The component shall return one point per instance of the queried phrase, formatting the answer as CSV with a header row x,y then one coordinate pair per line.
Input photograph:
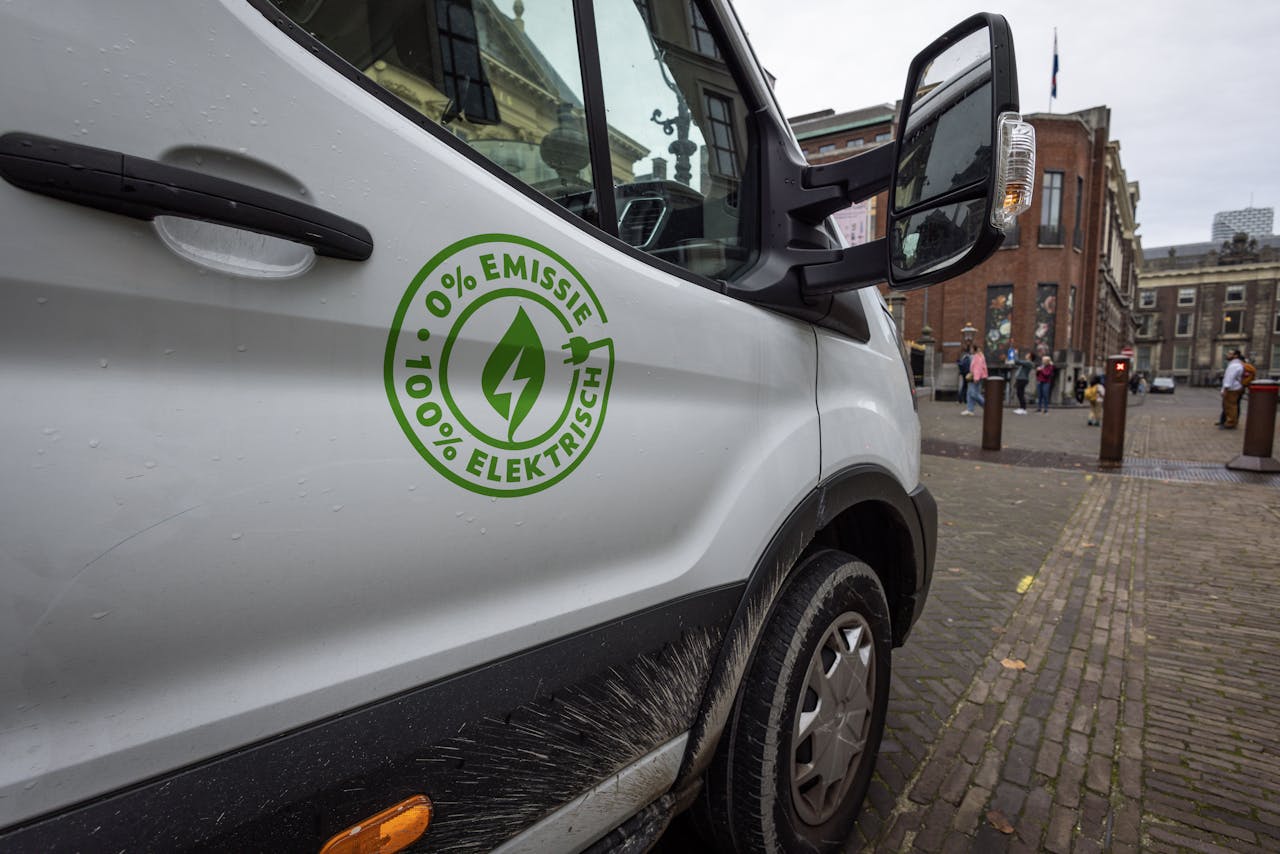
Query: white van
x,y
454,424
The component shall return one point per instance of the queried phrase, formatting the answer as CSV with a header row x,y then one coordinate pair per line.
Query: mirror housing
x,y
964,161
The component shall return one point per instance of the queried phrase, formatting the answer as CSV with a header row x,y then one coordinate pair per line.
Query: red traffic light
x,y
1121,366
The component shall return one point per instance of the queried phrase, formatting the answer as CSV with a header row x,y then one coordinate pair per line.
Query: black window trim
x,y
595,119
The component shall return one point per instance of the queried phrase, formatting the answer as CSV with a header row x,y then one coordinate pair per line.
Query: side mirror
x,y
964,162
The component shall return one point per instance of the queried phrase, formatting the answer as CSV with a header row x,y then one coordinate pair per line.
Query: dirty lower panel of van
x,y
495,749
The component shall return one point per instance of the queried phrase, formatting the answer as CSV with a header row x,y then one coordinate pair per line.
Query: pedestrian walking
x,y
1020,380
977,373
1232,388
962,368
1094,394
1044,381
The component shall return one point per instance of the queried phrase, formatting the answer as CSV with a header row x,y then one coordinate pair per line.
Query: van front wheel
x,y
797,763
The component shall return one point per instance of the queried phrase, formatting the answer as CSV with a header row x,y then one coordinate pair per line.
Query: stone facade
x,y
1200,300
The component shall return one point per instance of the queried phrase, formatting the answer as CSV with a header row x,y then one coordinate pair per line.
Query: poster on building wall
x,y
999,321
1046,318
855,222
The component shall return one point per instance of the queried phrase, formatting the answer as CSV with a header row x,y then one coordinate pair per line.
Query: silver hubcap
x,y
833,719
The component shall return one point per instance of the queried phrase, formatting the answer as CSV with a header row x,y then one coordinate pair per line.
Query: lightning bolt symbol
x,y
512,385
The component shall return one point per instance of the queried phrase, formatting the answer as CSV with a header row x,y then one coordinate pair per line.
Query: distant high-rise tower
x,y
1255,222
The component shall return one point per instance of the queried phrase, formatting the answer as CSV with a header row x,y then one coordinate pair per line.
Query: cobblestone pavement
x,y
1098,664
1097,667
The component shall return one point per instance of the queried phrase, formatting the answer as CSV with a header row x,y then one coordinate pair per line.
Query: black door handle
x,y
144,189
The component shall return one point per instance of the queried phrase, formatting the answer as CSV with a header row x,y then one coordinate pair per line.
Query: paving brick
x,y
1133,668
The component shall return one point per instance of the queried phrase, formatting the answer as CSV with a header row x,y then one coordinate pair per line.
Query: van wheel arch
x,y
850,511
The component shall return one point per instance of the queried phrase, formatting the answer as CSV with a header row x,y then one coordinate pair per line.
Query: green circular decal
x,y
498,365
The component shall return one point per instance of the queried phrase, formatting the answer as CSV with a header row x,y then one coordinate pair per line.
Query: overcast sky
x,y
1193,87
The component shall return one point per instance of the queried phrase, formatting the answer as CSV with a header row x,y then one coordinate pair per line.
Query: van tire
x,y
765,794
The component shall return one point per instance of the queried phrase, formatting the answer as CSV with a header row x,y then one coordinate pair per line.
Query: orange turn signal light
x,y
391,830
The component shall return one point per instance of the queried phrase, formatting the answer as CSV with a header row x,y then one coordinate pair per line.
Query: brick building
x,y
1198,301
1064,282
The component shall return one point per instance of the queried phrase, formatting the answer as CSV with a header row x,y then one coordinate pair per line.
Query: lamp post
x,y
967,334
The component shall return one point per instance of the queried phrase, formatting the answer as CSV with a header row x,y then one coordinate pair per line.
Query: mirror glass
x,y
947,132
946,146
934,237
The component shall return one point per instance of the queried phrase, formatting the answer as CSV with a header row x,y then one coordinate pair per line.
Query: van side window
x,y
678,137
508,83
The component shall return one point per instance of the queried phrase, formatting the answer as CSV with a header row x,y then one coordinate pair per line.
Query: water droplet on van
x,y
100,614
301,481
484,530
240,348
49,431
458,515
237,535
169,351
150,464
102,363
217,459
337,507
93,443
413,489
41,300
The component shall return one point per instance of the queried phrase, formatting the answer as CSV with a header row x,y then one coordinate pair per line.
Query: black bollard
x,y
993,413
1111,451
1259,429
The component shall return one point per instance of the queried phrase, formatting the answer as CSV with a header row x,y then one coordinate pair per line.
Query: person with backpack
x,y
1094,394
1232,388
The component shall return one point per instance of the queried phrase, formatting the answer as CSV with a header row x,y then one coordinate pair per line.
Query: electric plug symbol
x,y
580,348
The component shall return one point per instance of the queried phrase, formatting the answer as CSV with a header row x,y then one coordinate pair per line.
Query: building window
x,y
1186,296
1145,325
1077,236
1182,358
855,143
1275,359
1183,326
1146,299
1276,327
703,42
724,154
1233,321
1051,210
883,137
1235,293
827,148
1144,358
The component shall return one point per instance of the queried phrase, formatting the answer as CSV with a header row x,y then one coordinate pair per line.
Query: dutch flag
x,y
1053,88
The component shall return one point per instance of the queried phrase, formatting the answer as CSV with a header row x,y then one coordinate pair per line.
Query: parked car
x,y
401,450
1163,385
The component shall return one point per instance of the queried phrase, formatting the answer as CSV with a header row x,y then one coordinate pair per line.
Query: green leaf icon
x,y
512,378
